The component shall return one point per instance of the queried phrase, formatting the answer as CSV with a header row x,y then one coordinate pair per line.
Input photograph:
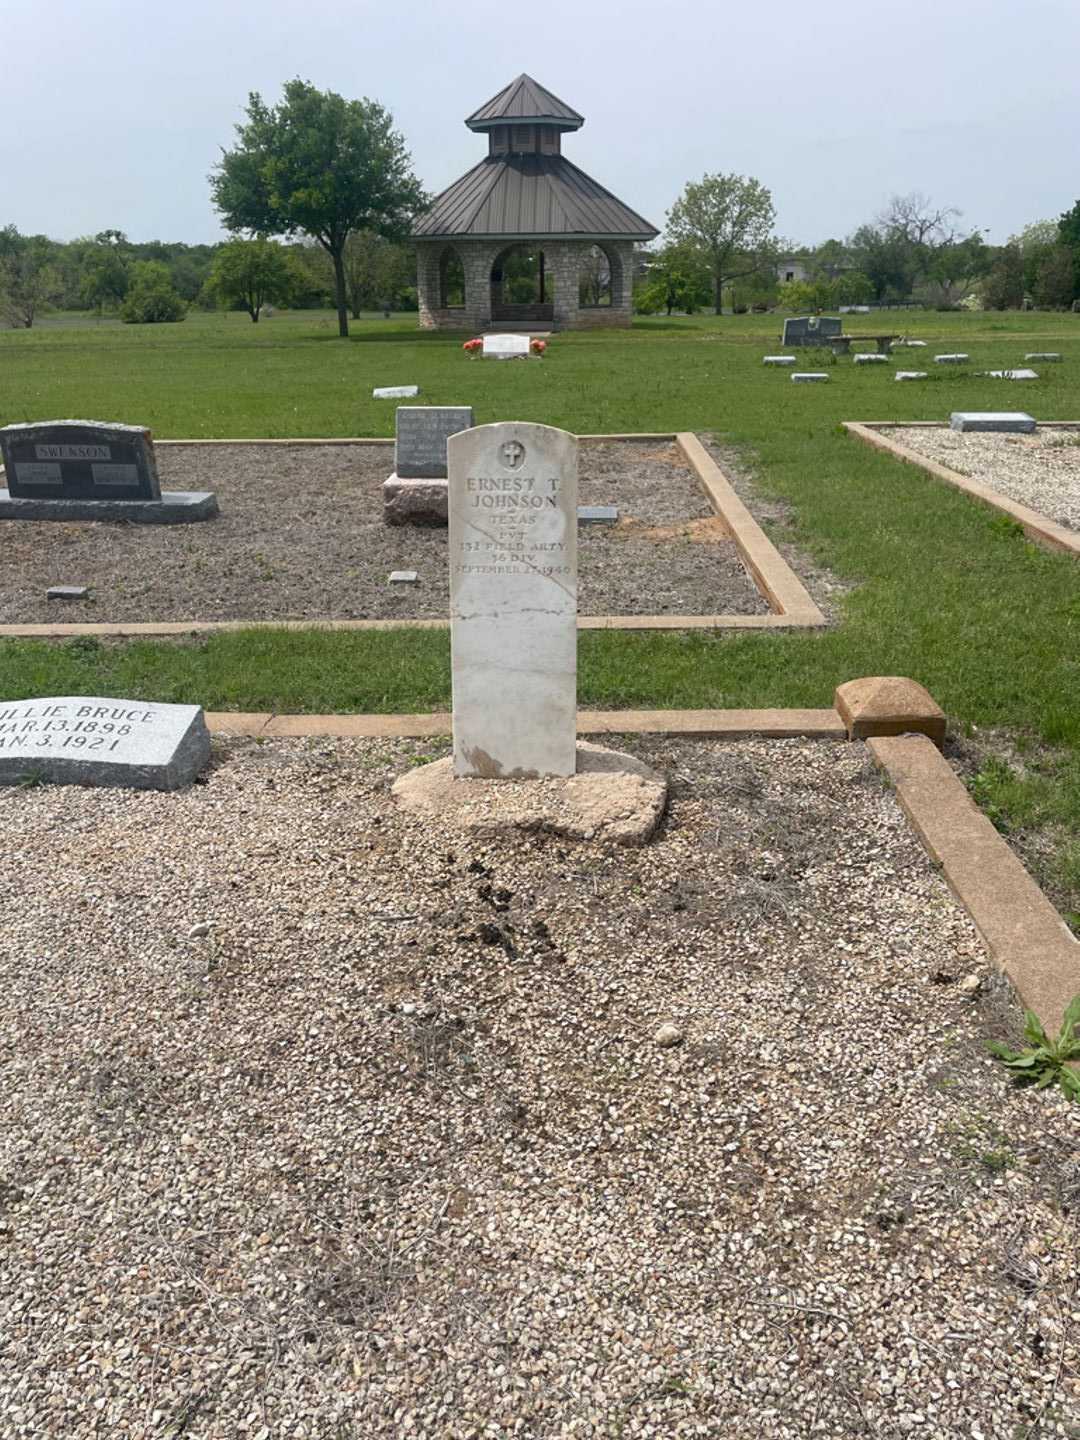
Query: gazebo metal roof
x,y
523,101
513,194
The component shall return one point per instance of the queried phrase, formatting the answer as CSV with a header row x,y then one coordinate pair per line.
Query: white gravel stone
x,y
401,1164
1041,470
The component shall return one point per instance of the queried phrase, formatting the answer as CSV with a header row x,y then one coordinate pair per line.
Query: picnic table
x,y
841,344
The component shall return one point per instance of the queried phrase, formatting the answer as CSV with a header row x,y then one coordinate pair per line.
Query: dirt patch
x,y
301,537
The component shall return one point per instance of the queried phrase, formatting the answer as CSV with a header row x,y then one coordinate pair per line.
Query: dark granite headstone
x,y
422,433
79,460
811,329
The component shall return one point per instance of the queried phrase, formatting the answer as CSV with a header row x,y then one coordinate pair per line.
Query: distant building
x,y
792,267
525,219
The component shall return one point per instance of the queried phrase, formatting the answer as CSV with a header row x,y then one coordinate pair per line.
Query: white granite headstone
x,y
513,600
957,359
89,740
781,360
809,376
506,347
1013,422
912,375
395,392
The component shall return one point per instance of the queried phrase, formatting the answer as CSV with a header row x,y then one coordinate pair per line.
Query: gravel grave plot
x,y
1041,471
320,1123
301,537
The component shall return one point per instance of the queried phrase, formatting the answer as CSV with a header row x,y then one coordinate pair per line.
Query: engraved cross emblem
x,y
512,454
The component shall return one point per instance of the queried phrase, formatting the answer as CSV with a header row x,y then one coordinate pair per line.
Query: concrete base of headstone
x,y
1008,422
176,507
90,740
415,502
612,797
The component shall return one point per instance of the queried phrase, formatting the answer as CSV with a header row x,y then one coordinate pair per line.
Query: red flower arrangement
x,y
538,345
472,346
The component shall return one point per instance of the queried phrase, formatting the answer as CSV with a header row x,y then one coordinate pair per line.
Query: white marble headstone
x,y
513,600
506,347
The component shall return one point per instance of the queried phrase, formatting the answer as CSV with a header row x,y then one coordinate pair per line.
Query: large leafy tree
x,y
252,273
318,165
729,221
29,278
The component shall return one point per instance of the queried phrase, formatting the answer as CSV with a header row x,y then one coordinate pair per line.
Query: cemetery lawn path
x,y
941,589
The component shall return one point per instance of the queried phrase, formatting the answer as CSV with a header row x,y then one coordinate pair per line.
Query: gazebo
x,y
525,239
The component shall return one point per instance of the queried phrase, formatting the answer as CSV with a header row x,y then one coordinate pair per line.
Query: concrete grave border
x,y
791,605
1023,934
1037,527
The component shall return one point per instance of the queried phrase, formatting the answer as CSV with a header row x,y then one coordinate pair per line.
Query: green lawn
x,y
944,591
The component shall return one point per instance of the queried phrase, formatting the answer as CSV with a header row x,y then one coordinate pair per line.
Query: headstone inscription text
x,y
422,432
79,460
513,600
91,740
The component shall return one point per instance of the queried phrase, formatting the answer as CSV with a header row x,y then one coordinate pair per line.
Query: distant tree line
x,y
720,250
158,281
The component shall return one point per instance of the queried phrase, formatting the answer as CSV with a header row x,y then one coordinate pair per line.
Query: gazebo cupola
x,y
526,239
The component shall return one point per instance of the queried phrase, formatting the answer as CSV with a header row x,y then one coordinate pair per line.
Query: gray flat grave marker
x,y
912,375
957,359
1051,355
403,577
1009,422
513,600
781,360
910,344
422,432
597,514
810,375
506,347
872,360
90,470
67,592
1014,374
90,740
395,392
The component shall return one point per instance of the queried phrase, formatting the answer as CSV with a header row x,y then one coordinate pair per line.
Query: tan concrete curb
x,y
792,605
1038,527
775,578
1026,937
771,724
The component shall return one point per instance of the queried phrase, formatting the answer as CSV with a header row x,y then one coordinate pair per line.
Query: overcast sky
x,y
112,112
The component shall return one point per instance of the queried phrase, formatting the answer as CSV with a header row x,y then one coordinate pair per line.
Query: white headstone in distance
x,y
809,376
90,740
957,359
1010,422
781,360
872,360
1043,355
395,392
513,600
506,347
912,375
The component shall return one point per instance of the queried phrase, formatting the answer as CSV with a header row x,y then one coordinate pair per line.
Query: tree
x,y
151,299
104,270
375,270
29,279
252,273
318,165
728,220
677,278
1055,283
1003,285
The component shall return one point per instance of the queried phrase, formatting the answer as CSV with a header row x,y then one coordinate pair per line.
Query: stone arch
x,y
451,279
521,284
601,278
